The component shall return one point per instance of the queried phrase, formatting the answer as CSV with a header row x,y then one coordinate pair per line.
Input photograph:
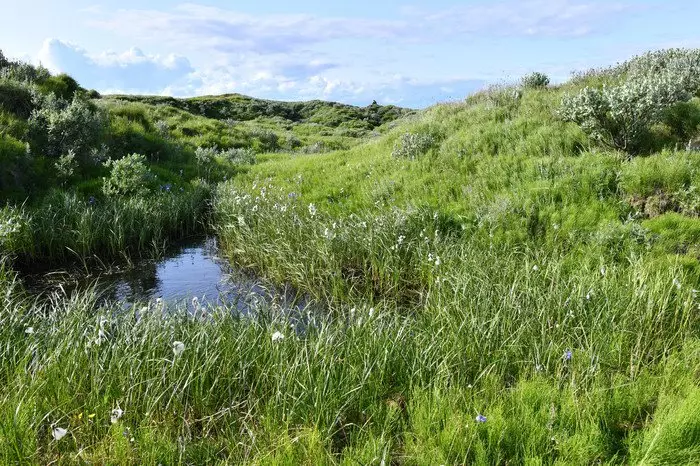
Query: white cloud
x,y
127,71
302,56
558,18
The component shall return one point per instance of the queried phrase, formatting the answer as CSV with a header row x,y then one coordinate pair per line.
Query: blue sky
x,y
393,51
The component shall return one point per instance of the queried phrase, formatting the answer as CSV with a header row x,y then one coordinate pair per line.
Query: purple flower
x,y
568,355
481,419
168,187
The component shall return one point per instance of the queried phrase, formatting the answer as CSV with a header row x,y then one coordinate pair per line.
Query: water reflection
x,y
192,270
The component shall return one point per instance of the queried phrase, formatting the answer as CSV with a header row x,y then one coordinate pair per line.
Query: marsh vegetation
x,y
508,279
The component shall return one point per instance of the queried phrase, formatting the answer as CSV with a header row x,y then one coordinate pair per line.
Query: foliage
x,y
128,176
62,85
620,117
535,80
239,156
16,97
66,165
620,114
413,145
57,127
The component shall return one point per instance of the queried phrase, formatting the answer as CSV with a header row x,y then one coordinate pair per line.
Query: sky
x,y
408,53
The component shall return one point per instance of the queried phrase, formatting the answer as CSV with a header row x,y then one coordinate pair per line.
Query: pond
x,y
191,270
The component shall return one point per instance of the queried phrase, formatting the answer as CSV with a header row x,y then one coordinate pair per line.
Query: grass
x,y
506,294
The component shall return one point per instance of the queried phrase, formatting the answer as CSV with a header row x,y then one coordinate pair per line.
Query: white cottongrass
x,y
117,413
178,348
277,337
58,433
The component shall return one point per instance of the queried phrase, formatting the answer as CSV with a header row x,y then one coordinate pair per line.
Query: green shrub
x,y
128,176
267,141
12,223
535,80
56,128
413,145
62,85
239,156
16,97
66,165
620,116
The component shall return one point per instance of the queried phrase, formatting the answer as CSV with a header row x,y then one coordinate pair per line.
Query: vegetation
x,y
489,282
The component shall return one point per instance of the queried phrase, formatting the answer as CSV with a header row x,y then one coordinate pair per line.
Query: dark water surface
x,y
192,270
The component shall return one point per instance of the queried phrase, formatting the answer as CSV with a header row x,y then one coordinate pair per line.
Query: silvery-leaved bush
x,y
413,145
620,116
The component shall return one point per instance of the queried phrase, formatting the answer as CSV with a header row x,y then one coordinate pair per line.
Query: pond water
x,y
192,270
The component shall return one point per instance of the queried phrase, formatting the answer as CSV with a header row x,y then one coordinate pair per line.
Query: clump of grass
x,y
70,227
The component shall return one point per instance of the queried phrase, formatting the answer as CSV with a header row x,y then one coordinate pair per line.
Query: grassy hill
x,y
508,279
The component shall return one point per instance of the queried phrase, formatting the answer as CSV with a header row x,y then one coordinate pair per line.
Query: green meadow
x,y
512,278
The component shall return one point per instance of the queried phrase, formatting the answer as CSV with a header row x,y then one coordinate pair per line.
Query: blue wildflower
x,y
168,187
92,200
568,355
481,418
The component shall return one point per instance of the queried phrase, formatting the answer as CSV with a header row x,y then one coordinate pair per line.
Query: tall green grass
x,y
67,227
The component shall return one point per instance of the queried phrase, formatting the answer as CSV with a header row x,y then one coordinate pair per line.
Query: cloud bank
x,y
303,56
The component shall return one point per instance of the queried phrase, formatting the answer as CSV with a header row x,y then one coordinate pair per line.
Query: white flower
x,y
603,271
677,283
59,432
535,268
178,348
277,336
437,261
371,311
312,210
29,330
116,415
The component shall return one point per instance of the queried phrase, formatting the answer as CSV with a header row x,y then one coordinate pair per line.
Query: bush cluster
x,y
128,176
621,116
413,145
57,127
535,80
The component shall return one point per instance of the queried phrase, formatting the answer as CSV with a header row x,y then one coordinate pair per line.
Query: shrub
x,y
535,80
128,176
239,156
62,85
620,116
57,128
413,145
266,140
66,166
16,98
12,222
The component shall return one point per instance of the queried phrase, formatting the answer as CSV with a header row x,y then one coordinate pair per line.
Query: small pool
x,y
191,270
